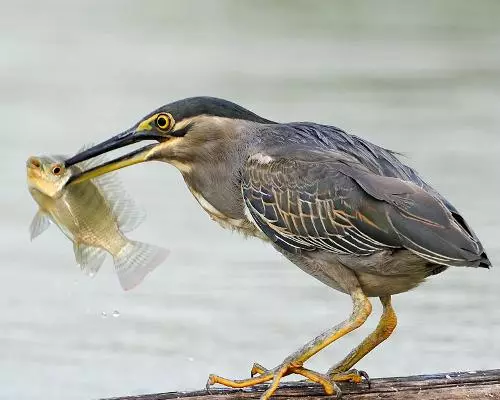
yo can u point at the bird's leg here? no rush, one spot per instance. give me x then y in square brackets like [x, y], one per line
[294, 363]
[342, 371]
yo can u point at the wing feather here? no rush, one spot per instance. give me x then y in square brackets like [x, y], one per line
[336, 205]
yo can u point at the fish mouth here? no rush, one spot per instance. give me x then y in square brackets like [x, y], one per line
[123, 139]
[33, 165]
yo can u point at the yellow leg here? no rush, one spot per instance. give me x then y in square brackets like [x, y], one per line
[294, 363]
[385, 327]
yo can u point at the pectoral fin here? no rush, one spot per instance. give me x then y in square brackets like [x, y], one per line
[39, 224]
[89, 258]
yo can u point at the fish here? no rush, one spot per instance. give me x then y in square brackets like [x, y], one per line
[94, 215]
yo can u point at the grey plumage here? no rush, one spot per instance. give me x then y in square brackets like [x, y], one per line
[323, 189]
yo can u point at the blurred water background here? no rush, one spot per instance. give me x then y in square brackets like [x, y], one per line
[422, 78]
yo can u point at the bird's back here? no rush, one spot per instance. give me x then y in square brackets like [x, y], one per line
[377, 159]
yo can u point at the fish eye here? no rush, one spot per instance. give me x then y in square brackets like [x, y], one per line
[56, 170]
[164, 122]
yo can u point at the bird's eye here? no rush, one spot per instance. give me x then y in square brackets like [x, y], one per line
[56, 170]
[164, 122]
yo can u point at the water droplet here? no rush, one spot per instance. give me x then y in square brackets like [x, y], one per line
[91, 274]
[190, 359]
[116, 314]
[104, 314]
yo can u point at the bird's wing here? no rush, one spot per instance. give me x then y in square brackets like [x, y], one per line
[307, 201]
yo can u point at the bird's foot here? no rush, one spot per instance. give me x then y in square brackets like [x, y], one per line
[275, 375]
[352, 375]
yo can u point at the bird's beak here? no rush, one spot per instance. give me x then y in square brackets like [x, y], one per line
[123, 139]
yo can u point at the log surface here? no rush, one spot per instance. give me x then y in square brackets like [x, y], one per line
[473, 385]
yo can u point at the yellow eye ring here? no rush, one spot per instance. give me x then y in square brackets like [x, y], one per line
[164, 122]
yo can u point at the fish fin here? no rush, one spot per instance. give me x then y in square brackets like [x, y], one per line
[128, 215]
[40, 223]
[135, 261]
[92, 162]
[89, 258]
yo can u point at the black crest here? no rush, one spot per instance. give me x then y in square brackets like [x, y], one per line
[203, 105]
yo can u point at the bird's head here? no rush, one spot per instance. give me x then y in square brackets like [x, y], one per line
[181, 132]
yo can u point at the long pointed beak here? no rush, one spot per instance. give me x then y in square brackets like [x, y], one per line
[121, 140]
[134, 157]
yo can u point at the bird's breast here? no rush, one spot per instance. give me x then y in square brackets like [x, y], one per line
[242, 225]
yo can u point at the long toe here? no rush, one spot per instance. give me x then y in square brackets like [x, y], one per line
[238, 384]
[275, 376]
[353, 375]
[328, 384]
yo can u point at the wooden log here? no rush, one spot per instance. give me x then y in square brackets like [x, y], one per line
[476, 385]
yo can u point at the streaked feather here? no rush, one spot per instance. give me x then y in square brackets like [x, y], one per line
[312, 199]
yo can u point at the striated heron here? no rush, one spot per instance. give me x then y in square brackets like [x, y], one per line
[342, 209]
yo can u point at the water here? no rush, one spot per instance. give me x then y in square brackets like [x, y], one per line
[421, 77]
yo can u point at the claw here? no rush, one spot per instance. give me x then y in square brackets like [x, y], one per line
[210, 382]
[365, 375]
[352, 375]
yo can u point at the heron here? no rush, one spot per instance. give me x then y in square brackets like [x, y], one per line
[344, 210]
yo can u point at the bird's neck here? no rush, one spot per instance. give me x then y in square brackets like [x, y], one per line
[216, 185]
[217, 188]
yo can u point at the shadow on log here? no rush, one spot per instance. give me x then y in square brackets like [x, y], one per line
[475, 385]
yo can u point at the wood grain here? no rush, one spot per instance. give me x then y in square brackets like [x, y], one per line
[474, 385]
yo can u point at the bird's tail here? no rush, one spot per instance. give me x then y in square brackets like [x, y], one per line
[485, 261]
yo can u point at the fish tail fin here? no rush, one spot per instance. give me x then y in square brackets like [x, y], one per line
[135, 261]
